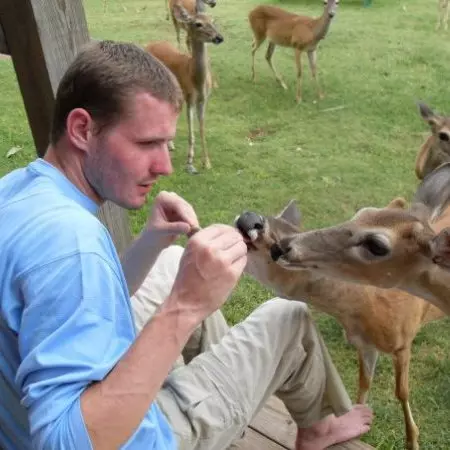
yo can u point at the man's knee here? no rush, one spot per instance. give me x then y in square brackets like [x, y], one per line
[287, 311]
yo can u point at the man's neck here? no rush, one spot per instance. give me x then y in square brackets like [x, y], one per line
[70, 165]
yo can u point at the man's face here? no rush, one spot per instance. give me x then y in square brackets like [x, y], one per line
[126, 159]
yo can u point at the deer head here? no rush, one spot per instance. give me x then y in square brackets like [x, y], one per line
[331, 7]
[440, 129]
[200, 26]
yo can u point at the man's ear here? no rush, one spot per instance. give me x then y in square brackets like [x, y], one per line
[79, 126]
[291, 214]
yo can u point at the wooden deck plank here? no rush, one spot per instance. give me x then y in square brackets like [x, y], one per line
[275, 425]
[275, 422]
[255, 441]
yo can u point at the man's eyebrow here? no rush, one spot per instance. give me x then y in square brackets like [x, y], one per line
[153, 139]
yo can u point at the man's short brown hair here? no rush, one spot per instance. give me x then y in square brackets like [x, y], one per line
[103, 75]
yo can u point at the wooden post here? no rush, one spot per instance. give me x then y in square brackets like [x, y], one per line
[43, 37]
[3, 44]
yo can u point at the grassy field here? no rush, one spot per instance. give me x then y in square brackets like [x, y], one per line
[265, 149]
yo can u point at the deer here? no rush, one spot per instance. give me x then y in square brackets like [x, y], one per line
[390, 247]
[443, 10]
[287, 29]
[191, 7]
[192, 72]
[436, 149]
[374, 319]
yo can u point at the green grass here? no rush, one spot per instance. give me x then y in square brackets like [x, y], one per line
[375, 63]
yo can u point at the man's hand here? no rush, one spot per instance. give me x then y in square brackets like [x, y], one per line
[171, 217]
[209, 270]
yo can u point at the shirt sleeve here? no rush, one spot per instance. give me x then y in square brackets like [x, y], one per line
[75, 327]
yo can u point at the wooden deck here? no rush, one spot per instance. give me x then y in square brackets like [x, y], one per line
[273, 429]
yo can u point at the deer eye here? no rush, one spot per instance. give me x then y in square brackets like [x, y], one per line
[444, 136]
[375, 246]
[198, 24]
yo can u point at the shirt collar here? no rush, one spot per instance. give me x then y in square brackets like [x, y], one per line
[46, 169]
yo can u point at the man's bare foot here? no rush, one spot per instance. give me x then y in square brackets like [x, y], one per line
[333, 430]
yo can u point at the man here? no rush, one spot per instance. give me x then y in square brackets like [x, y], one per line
[74, 372]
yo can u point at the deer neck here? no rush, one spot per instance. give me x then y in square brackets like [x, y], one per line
[322, 25]
[329, 295]
[200, 63]
[432, 284]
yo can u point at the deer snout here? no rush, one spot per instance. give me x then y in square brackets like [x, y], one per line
[249, 223]
[218, 39]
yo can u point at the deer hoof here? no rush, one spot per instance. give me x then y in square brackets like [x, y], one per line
[207, 165]
[191, 169]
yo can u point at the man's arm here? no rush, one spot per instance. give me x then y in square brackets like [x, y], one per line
[171, 216]
[209, 269]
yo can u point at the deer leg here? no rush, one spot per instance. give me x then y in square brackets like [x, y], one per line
[269, 54]
[368, 357]
[190, 121]
[312, 57]
[401, 364]
[201, 107]
[446, 7]
[298, 63]
[255, 45]
[167, 9]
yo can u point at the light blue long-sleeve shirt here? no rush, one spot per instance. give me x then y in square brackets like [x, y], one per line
[65, 315]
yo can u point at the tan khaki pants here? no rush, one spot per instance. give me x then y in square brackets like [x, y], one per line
[225, 375]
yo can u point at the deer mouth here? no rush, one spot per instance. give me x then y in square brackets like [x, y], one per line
[286, 257]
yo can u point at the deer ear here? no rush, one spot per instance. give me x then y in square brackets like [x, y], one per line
[291, 214]
[428, 114]
[181, 15]
[440, 249]
[397, 202]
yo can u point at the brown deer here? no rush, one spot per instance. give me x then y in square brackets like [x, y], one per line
[287, 29]
[192, 72]
[436, 149]
[443, 10]
[386, 247]
[191, 7]
[375, 320]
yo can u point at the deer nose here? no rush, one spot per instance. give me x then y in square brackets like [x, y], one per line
[248, 221]
[218, 39]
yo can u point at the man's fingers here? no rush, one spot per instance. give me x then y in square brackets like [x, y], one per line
[177, 208]
[213, 232]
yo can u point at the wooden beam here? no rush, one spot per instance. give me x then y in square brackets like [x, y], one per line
[43, 38]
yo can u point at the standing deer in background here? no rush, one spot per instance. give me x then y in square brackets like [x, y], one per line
[287, 29]
[442, 22]
[375, 320]
[436, 149]
[191, 7]
[192, 72]
[386, 247]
